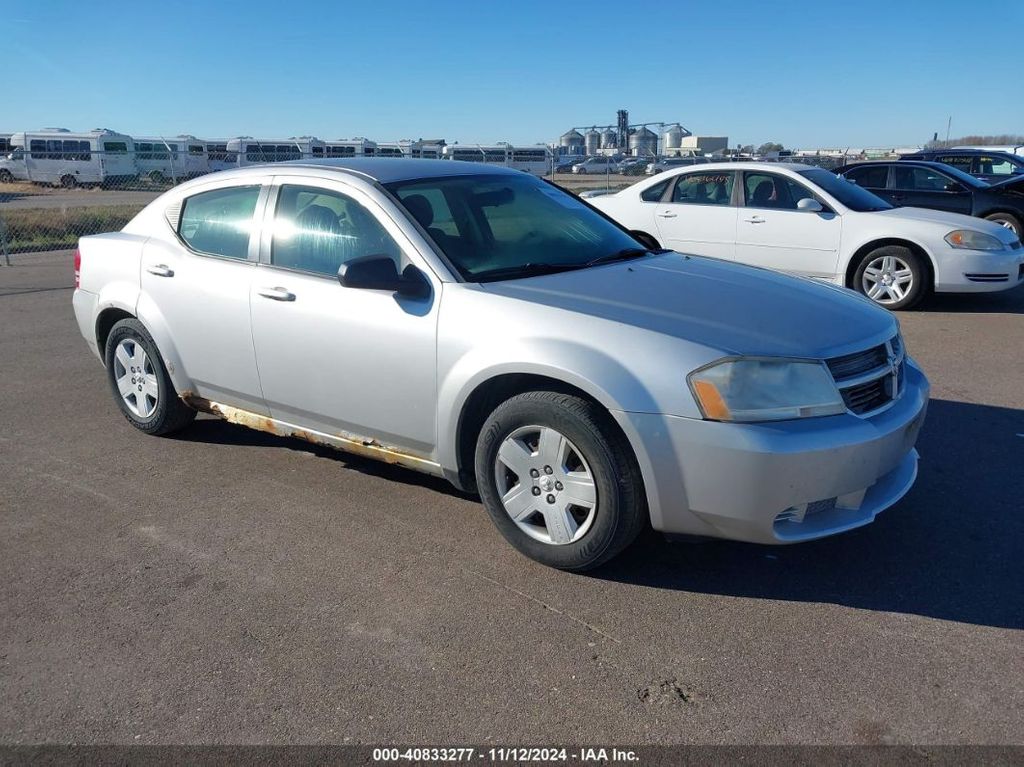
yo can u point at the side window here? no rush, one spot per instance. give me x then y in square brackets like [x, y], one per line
[959, 161]
[317, 230]
[919, 179]
[220, 222]
[995, 166]
[655, 193]
[766, 190]
[869, 176]
[704, 188]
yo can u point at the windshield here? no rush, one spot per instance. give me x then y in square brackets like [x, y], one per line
[509, 226]
[848, 193]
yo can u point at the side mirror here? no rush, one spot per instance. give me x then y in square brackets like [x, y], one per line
[378, 272]
[645, 239]
[809, 205]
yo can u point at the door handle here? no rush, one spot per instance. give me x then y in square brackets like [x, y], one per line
[754, 220]
[667, 214]
[160, 270]
[276, 294]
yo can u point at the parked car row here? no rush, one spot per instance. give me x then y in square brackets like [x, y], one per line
[812, 223]
[482, 325]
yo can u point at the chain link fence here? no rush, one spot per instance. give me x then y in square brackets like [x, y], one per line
[54, 191]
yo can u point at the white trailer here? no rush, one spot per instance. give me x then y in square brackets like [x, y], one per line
[60, 156]
[531, 159]
[254, 151]
[178, 158]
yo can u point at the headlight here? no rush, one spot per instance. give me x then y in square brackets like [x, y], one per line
[969, 239]
[765, 390]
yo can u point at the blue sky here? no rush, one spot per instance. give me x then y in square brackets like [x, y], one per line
[806, 74]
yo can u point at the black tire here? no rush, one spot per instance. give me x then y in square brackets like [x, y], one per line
[621, 508]
[1008, 220]
[170, 414]
[581, 172]
[920, 280]
[5, 176]
[68, 181]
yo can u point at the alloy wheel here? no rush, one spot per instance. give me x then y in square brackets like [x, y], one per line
[887, 279]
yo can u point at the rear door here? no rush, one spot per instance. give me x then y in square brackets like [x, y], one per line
[923, 187]
[199, 282]
[698, 215]
[873, 177]
[773, 233]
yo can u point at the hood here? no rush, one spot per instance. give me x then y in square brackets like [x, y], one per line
[733, 308]
[1013, 184]
[950, 221]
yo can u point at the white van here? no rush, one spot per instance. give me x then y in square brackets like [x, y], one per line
[177, 159]
[59, 156]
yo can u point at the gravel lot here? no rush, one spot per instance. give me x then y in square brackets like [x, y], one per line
[232, 587]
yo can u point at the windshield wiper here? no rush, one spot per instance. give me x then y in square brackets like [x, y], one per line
[531, 269]
[626, 254]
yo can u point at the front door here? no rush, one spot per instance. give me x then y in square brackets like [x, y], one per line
[919, 186]
[772, 232]
[341, 361]
[200, 285]
[698, 216]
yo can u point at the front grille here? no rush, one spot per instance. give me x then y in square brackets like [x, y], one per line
[871, 379]
[860, 362]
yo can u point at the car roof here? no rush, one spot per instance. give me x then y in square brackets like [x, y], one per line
[384, 170]
[962, 151]
[794, 167]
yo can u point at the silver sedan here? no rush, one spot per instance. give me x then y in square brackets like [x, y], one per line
[482, 325]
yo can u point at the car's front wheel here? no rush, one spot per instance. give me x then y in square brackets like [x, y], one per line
[1005, 219]
[559, 480]
[138, 378]
[892, 276]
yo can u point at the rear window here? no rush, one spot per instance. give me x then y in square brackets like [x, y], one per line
[220, 222]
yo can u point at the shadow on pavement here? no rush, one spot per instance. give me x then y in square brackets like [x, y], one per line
[952, 549]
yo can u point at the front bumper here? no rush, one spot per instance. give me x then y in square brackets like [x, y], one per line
[779, 482]
[975, 271]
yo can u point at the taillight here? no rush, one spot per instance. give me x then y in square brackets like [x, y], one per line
[78, 268]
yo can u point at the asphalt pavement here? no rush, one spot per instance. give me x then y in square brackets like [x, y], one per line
[228, 586]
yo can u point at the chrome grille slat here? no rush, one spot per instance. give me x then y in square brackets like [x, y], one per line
[870, 380]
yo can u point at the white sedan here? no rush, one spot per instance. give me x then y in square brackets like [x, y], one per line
[809, 222]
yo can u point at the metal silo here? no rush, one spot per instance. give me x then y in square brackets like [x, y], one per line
[592, 142]
[644, 143]
[673, 137]
[571, 142]
[609, 139]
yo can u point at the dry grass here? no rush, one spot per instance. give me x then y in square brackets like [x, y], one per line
[52, 229]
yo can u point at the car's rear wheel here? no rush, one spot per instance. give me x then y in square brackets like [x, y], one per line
[1007, 220]
[5, 176]
[559, 480]
[892, 276]
[68, 181]
[139, 381]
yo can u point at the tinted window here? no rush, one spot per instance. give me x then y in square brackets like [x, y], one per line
[115, 147]
[920, 179]
[848, 193]
[961, 162]
[869, 176]
[317, 230]
[220, 222]
[507, 226]
[655, 193]
[713, 188]
[766, 190]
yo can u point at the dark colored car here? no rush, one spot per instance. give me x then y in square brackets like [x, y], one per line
[920, 184]
[990, 166]
[565, 164]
